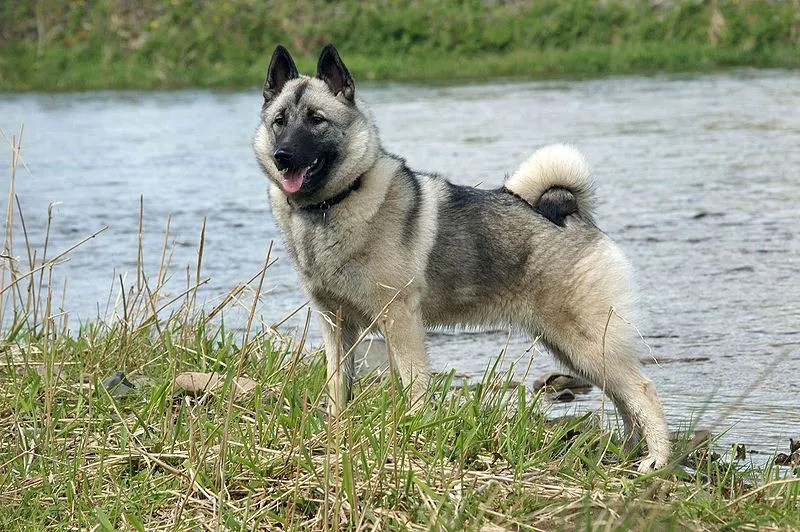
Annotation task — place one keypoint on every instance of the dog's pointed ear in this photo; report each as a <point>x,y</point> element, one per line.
<point>281,69</point>
<point>332,71</point>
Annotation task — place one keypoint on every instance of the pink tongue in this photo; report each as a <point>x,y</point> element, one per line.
<point>293,180</point>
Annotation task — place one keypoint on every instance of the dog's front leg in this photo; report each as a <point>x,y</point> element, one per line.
<point>339,335</point>
<point>405,338</point>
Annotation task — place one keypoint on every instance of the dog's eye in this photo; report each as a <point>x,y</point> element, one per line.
<point>315,118</point>
<point>279,120</point>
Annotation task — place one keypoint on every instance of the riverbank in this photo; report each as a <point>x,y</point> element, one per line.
<point>85,446</point>
<point>105,45</point>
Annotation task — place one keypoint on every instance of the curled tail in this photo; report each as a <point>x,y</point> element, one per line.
<point>555,181</point>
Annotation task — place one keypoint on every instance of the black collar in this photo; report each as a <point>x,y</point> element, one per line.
<point>333,200</point>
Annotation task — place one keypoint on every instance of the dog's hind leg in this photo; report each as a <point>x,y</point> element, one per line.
<point>588,336</point>
<point>616,371</point>
<point>636,398</point>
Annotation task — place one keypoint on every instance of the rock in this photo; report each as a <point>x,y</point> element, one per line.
<point>738,451</point>
<point>197,383</point>
<point>791,459</point>
<point>118,385</point>
<point>556,382</point>
<point>564,396</point>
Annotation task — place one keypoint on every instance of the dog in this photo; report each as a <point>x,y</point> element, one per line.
<point>371,239</point>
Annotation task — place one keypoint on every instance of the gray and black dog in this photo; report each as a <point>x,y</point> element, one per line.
<point>371,238</point>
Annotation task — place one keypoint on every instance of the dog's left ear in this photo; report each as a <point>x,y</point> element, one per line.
<point>332,71</point>
<point>281,69</point>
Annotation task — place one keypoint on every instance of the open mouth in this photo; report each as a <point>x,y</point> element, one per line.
<point>294,179</point>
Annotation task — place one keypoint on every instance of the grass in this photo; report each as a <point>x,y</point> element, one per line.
<point>578,62</point>
<point>76,454</point>
<point>176,43</point>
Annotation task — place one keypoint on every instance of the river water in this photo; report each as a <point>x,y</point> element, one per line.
<point>698,183</point>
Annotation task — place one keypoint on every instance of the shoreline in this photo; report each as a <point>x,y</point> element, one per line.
<point>583,63</point>
<point>160,446</point>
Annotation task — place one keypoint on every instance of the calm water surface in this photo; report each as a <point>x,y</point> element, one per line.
<point>698,182</point>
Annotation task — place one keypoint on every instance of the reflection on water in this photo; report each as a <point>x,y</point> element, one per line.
<point>698,182</point>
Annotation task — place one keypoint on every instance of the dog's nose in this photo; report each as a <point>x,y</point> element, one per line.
<point>283,157</point>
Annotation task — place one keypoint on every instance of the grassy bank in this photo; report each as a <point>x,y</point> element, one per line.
<point>82,447</point>
<point>76,456</point>
<point>177,43</point>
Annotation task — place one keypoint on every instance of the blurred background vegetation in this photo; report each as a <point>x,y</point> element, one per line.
<point>84,44</point>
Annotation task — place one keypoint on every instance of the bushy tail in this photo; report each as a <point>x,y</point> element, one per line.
<point>555,181</point>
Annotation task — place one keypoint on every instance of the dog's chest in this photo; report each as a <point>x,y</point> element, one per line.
<point>322,250</point>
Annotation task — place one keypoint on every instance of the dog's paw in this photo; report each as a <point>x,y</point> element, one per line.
<point>650,463</point>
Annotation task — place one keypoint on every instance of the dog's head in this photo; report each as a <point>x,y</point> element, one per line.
<point>313,140</point>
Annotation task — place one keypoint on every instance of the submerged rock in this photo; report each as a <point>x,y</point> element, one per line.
<point>738,451</point>
<point>786,460</point>
<point>557,382</point>
<point>791,459</point>
<point>564,396</point>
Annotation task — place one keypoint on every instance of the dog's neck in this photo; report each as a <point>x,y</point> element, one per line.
<point>332,201</point>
